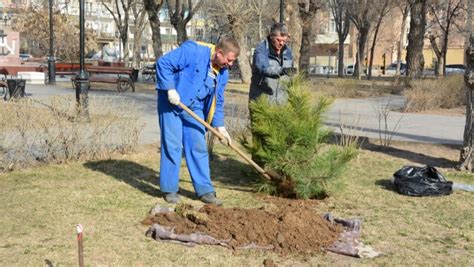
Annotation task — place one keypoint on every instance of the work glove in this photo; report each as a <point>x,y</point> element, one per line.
<point>223,131</point>
<point>288,71</point>
<point>173,97</point>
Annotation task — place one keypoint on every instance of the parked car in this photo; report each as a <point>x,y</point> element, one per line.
<point>25,57</point>
<point>455,69</point>
<point>349,70</point>
<point>392,69</point>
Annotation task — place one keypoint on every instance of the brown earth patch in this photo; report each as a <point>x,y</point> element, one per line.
<point>289,226</point>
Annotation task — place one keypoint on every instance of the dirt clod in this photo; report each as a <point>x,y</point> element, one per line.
<point>287,226</point>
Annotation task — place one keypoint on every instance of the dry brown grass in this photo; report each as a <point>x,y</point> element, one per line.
<point>41,207</point>
<point>430,94</point>
<point>350,88</point>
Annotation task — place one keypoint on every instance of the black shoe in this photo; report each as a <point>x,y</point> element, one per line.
<point>210,198</point>
<point>172,198</point>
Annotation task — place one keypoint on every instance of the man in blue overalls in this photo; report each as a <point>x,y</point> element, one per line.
<point>196,75</point>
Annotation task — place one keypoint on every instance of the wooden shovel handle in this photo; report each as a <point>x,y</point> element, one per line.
<point>220,136</point>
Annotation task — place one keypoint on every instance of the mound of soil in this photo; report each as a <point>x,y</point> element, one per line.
<point>287,227</point>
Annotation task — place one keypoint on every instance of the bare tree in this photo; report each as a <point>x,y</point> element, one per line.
<point>265,11</point>
<point>307,12</point>
<point>381,9</point>
<point>340,12</point>
<point>181,12</point>
<point>31,25</point>
<point>259,7</point>
<point>234,18</point>
<point>443,14</point>
<point>121,15</point>
<point>153,9</point>
<point>139,14</point>
<point>404,7</point>
<point>361,16</point>
<point>414,57</point>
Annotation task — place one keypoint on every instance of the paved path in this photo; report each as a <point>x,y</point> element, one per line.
<point>415,127</point>
<point>360,113</point>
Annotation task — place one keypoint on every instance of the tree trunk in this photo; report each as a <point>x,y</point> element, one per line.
<point>438,68</point>
<point>244,60</point>
<point>372,48</point>
<point>465,161</point>
<point>125,51</point>
<point>182,35</point>
<point>154,19</point>
<point>340,59</point>
<point>400,42</point>
<point>466,152</point>
<point>293,21</point>
<point>156,37</point>
<point>136,52</point>
<point>307,12</point>
<point>414,58</point>
<point>140,24</point>
<point>305,48</point>
<point>363,35</point>
<point>444,50</point>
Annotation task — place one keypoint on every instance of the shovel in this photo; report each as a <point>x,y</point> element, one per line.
<point>269,175</point>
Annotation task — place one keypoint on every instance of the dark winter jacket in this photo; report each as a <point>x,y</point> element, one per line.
<point>266,72</point>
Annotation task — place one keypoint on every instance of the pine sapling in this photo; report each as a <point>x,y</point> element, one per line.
<point>291,140</point>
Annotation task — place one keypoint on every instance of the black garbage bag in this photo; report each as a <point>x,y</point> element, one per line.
<point>421,181</point>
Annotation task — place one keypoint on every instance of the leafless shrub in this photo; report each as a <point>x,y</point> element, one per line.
<point>429,94</point>
<point>51,131</point>
<point>237,120</point>
<point>386,133</point>
<point>236,123</point>
<point>349,131</point>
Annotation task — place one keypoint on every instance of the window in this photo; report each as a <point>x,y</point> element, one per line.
<point>332,25</point>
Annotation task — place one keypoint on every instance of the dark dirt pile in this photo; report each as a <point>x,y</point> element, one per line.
<point>289,226</point>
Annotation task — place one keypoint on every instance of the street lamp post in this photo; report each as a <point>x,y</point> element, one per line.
<point>51,59</point>
<point>82,77</point>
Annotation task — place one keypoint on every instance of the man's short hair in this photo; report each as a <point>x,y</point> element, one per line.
<point>279,29</point>
<point>228,44</point>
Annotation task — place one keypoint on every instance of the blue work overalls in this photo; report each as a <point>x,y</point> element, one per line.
<point>186,70</point>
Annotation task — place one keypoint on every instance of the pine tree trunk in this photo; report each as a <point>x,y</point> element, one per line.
<point>414,58</point>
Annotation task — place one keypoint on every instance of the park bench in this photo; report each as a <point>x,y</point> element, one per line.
<point>62,69</point>
<point>123,77</point>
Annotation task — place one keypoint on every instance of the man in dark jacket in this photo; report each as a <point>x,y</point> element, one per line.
<point>272,65</point>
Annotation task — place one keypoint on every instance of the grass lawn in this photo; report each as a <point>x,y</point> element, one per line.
<point>41,206</point>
